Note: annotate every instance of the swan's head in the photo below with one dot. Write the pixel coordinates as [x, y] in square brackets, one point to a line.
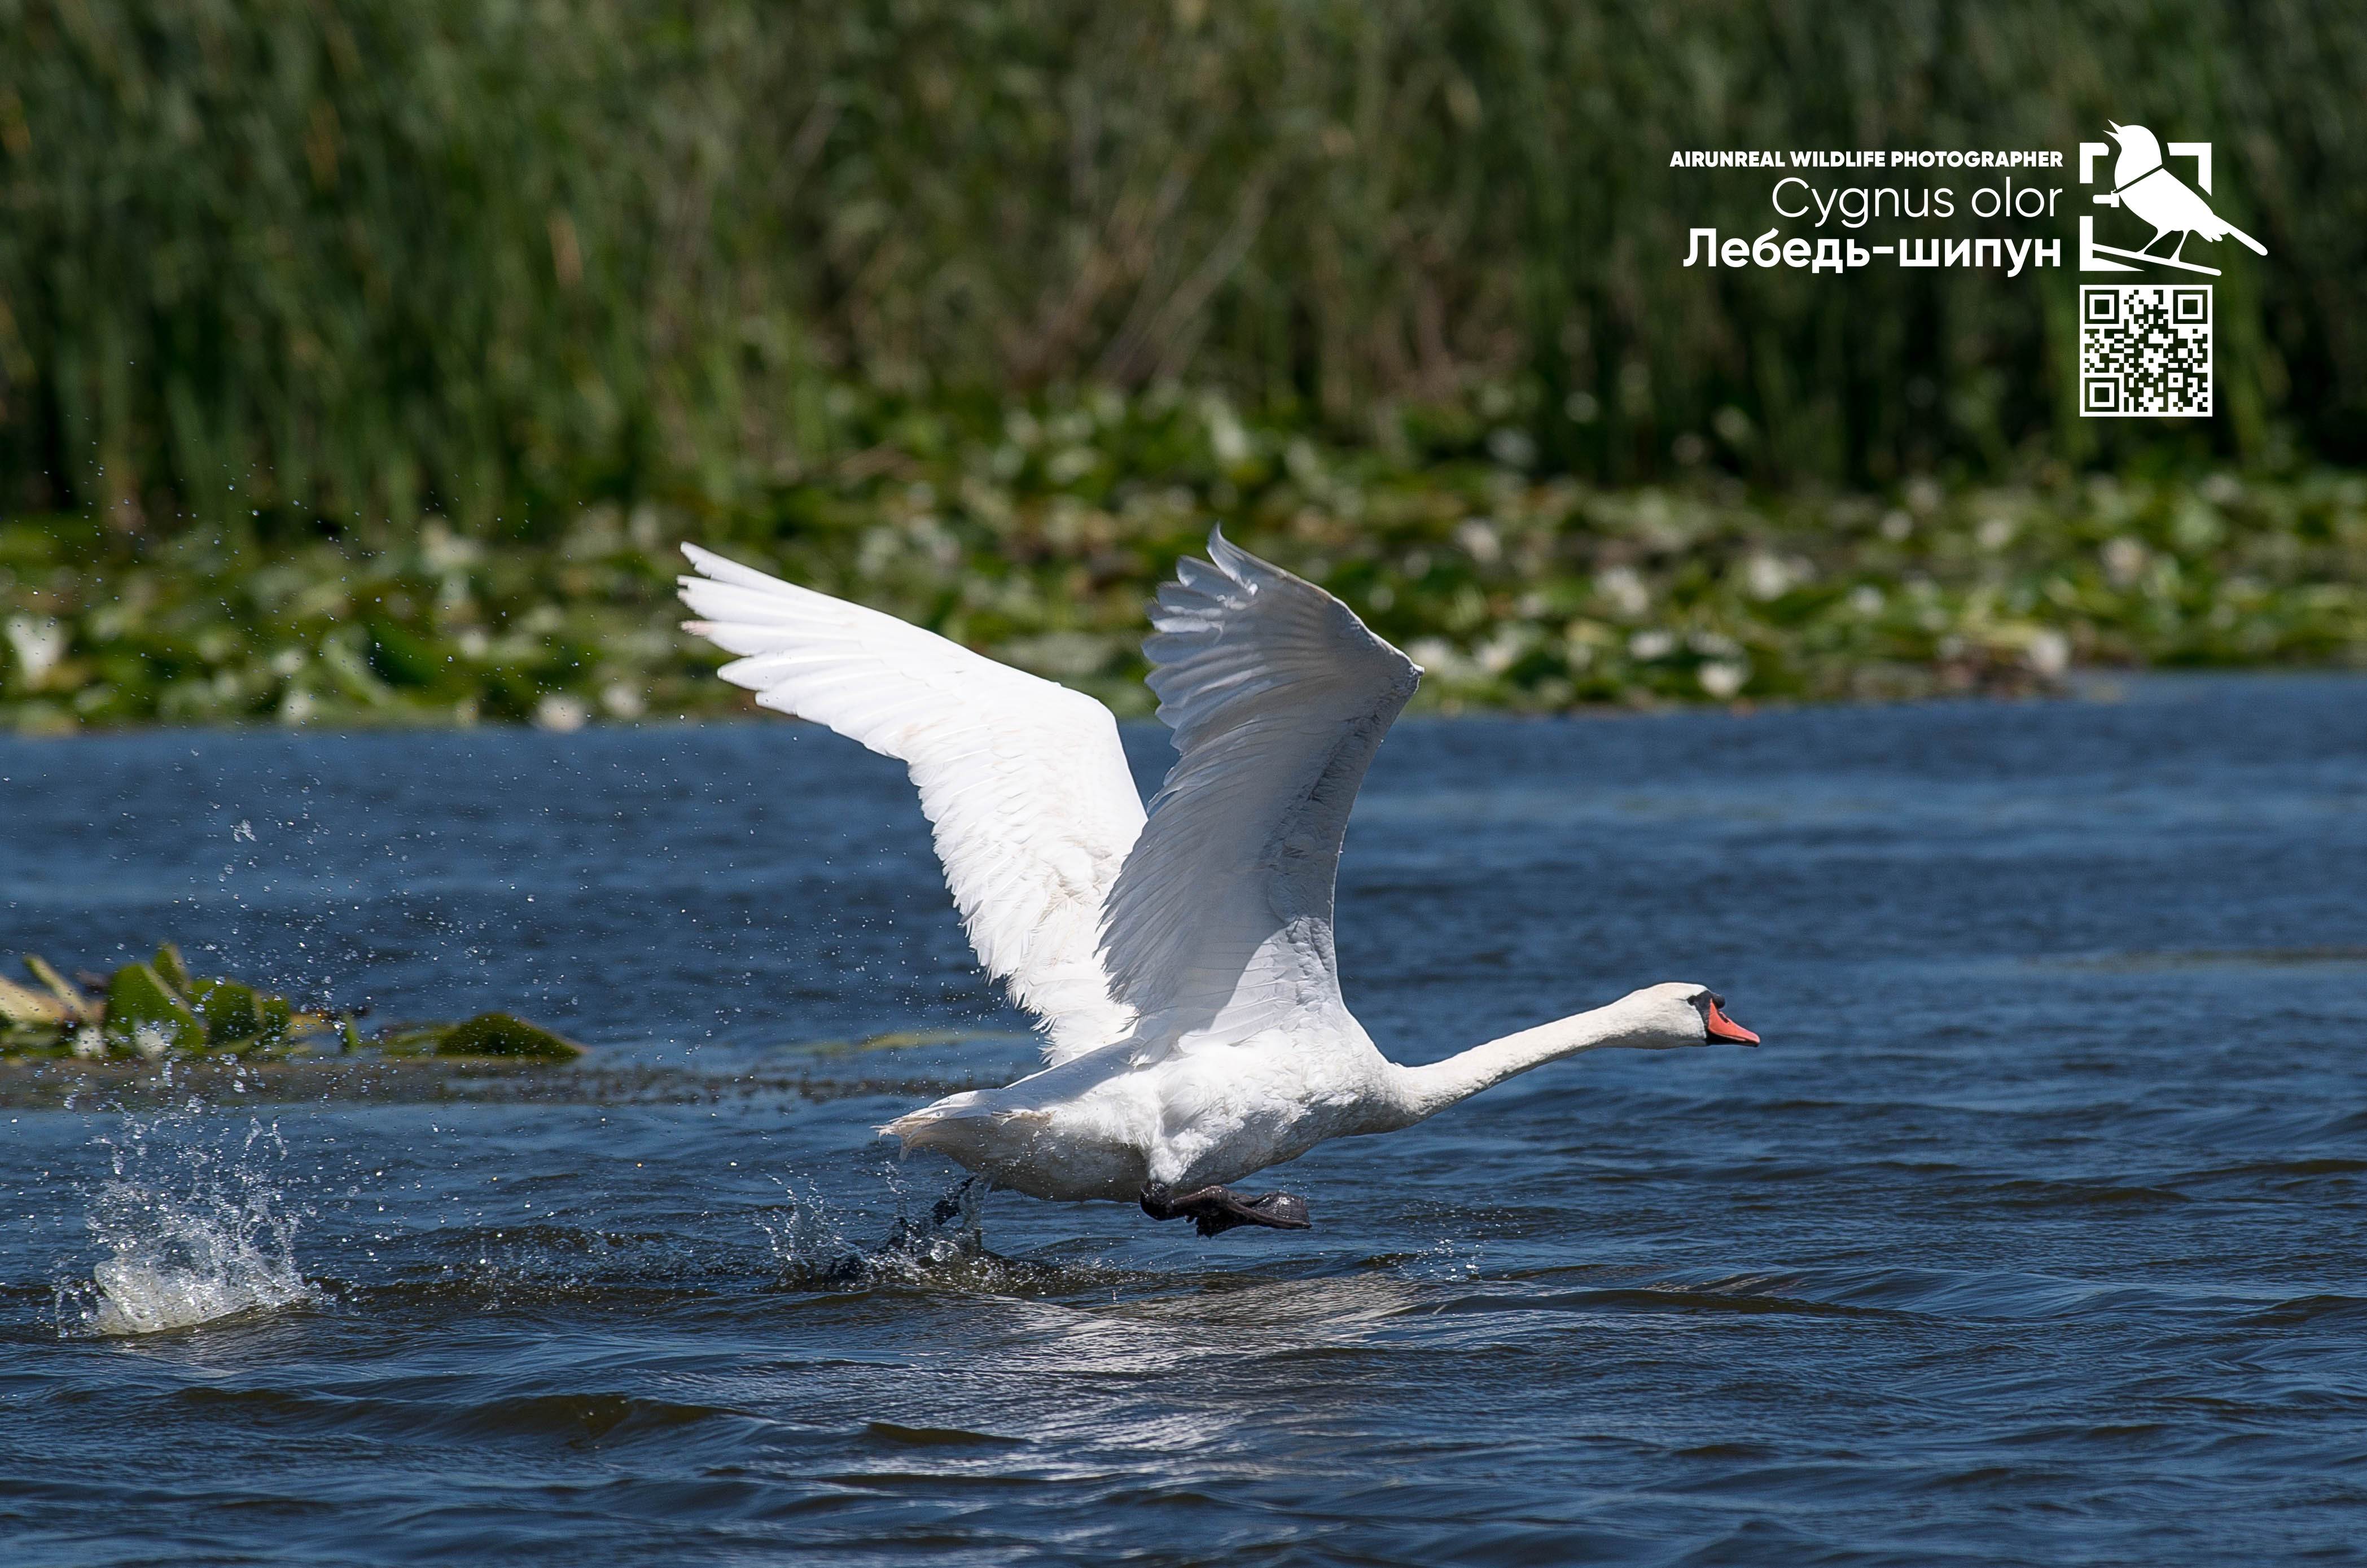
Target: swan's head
[1679, 1014]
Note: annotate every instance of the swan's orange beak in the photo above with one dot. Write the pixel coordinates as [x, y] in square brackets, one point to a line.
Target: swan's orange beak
[1723, 1027]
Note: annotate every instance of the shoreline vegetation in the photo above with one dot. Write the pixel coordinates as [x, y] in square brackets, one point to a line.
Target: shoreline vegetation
[1036, 533]
[361, 362]
[390, 257]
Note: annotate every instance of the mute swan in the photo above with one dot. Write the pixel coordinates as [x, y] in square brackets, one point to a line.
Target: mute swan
[1180, 959]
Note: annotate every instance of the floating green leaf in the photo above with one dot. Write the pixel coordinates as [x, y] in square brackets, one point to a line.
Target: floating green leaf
[501, 1034]
[144, 1015]
[234, 1013]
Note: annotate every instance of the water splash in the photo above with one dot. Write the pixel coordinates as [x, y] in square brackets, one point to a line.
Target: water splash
[814, 1250]
[951, 1234]
[194, 1229]
[804, 1231]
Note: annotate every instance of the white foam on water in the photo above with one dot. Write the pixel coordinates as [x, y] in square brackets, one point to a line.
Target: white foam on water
[195, 1230]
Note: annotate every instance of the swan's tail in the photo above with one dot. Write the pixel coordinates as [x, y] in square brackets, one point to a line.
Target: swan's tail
[968, 1133]
[915, 1130]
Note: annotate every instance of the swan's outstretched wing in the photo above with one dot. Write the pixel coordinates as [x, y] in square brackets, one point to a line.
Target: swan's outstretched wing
[1221, 924]
[1023, 780]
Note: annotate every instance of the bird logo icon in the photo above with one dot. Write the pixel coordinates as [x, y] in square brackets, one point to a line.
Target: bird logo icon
[2143, 187]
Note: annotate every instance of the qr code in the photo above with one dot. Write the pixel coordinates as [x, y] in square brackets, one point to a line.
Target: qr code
[2144, 348]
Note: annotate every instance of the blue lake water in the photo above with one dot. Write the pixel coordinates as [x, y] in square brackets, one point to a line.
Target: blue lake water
[2036, 1233]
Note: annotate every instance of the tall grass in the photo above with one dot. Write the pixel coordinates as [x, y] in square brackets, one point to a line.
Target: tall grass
[366, 258]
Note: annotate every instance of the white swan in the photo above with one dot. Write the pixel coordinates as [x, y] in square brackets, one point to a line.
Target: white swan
[1181, 960]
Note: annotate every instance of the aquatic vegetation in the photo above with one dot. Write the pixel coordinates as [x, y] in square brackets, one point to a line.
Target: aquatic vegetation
[486, 1034]
[155, 1010]
[148, 1009]
[356, 258]
[1037, 534]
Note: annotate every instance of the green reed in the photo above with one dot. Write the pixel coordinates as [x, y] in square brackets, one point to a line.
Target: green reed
[363, 258]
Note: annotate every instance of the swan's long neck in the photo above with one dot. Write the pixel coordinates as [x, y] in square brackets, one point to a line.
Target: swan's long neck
[1424, 1091]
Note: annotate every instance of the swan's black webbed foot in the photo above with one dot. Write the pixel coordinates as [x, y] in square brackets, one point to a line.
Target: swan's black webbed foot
[949, 1208]
[1212, 1209]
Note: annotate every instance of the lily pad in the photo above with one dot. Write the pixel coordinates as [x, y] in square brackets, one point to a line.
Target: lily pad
[228, 1009]
[501, 1034]
[236, 1014]
[144, 1015]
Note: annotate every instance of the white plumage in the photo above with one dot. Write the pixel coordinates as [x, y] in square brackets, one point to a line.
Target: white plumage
[1181, 964]
[1221, 924]
[1023, 780]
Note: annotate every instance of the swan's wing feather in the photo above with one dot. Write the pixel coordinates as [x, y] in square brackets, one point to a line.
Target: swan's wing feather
[1023, 780]
[1221, 924]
